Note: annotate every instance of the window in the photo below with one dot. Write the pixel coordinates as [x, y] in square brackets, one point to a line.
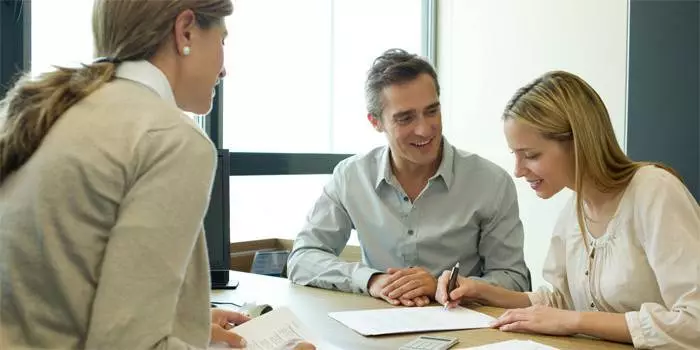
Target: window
[296, 73]
[57, 39]
[276, 212]
[295, 85]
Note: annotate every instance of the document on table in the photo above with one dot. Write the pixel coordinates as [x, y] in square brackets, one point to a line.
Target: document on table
[411, 319]
[274, 330]
[512, 345]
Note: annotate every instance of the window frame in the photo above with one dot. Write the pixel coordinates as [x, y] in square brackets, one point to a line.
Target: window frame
[15, 40]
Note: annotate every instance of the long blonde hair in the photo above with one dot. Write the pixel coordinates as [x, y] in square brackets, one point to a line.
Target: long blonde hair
[563, 107]
[123, 30]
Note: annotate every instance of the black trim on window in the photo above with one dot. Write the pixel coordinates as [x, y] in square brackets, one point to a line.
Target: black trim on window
[214, 123]
[258, 163]
[248, 164]
[15, 41]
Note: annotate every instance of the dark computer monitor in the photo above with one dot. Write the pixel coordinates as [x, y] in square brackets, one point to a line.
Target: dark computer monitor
[217, 224]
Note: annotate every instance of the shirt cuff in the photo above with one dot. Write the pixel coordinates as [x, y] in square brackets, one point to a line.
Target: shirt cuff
[634, 325]
[360, 279]
[535, 298]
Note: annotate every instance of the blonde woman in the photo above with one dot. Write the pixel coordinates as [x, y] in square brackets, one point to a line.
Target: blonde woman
[623, 260]
[104, 183]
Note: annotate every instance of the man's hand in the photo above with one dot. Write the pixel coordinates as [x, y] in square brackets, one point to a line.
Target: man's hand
[410, 283]
[222, 321]
[409, 286]
[376, 283]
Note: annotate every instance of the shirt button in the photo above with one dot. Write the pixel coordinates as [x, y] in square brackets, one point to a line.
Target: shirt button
[593, 305]
[410, 232]
[586, 273]
[405, 198]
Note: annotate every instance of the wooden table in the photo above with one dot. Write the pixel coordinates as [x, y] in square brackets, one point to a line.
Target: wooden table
[311, 306]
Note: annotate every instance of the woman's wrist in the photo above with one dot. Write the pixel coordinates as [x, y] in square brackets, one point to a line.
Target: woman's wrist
[491, 295]
[482, 292]
[579, 322]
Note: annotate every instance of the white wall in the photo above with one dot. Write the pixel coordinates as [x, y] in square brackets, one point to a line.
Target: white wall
[487, 49]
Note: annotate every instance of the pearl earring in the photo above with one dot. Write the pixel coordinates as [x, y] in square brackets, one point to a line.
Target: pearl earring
[186, 50]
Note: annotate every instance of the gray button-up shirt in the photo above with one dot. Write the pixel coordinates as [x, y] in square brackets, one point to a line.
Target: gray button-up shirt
[468, 212]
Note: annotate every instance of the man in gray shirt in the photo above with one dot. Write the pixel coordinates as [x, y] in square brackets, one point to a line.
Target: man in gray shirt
[419, 205]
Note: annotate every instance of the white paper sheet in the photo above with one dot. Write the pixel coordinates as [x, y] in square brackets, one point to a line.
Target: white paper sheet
[411, 319]
[273, 330]
[512, 345]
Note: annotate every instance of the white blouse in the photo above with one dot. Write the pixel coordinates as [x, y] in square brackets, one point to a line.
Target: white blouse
[646, 264]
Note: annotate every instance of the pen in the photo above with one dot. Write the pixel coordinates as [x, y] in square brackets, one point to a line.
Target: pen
[452, 283]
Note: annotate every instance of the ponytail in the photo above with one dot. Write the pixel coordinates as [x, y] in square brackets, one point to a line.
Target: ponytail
[32, 107]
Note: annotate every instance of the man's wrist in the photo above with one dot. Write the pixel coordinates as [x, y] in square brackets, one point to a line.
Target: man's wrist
[360, 279]
[375, 276]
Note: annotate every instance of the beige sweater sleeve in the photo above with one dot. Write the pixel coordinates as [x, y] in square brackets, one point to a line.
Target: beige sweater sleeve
[668, 224]
[158, 224]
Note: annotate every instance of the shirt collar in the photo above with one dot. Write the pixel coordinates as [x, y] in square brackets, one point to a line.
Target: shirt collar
[145, 73]
[445, 171]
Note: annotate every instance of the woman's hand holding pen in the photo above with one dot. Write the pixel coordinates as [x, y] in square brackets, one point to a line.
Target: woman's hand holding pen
[469, 289]
[465, 289]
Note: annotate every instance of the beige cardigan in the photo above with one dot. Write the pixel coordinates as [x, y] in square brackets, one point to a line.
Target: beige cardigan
[101, 244]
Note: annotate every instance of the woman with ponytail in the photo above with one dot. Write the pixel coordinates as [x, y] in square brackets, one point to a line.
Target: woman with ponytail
[104, 183]
[623, 260]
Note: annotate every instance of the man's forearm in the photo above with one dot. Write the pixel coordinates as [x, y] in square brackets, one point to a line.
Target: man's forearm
[321, 269]
[508, 279]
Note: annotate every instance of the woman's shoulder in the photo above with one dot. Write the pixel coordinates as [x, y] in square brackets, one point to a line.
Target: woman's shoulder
[653, 173]
[651, 181]
[134, 101]
[133, 109]
[657, 195]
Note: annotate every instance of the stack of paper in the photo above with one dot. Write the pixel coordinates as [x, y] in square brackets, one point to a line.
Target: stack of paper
[275, 329]
[512, 345]
[411, 319]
